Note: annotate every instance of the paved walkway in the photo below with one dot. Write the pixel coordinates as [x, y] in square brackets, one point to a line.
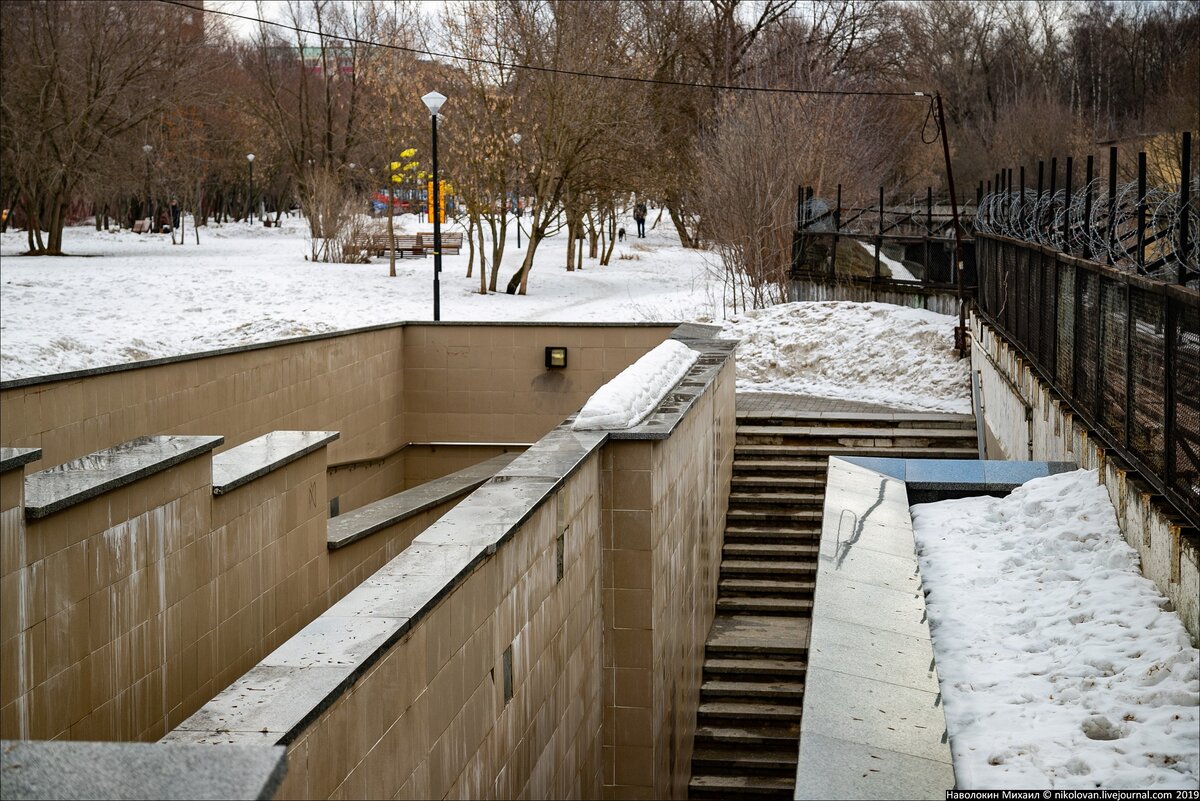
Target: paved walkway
[788, 402]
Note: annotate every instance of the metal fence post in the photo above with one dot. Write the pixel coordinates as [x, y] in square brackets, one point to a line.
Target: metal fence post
[1048, 224]
[1087, 210]
[928, 226]
[1112, 201]
[1021, 199]
[1066, 226]
[1185, 190]
[1141, 214]
[837, 225]
[1169, 391]
[879, 237]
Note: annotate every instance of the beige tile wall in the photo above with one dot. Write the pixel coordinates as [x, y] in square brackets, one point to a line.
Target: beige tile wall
[104, 586]
[351, 384]
[429, 719]
[271, 570]
[359, 483]
[14, 576]
[379, 389]
[426, 462]
[129, 611]
[490, 383]
[665, 518]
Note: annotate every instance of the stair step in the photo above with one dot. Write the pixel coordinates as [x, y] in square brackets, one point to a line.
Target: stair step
[892, 419]
[765, 586]
[758, 451]
[711, 711]
[770, 550]
[772, 736]
[854, 432]
[766, 605]
[759, 650]
[764, 533]
[789, 668]
[747, 760]
[774, 497]
[816, 467]
[746, 482]
[766, 567]
[763, 690]
[785, 514]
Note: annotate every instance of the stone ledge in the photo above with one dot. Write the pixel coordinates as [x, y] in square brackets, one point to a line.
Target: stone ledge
[67, 484]
[365, 521]
[52, 770]
[250, 460]
[12, 458]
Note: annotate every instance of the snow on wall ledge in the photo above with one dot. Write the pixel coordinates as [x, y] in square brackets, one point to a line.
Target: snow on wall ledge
[630, 397]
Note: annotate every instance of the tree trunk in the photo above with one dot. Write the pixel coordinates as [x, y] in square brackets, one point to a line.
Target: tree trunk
[391, 230]
[685, 238]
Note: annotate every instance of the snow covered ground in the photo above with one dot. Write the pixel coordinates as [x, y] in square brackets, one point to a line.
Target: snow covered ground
[1059, 667]
[127, 297]
[856, 351]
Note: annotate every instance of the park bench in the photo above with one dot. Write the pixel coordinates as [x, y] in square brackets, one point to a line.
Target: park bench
[451, 241]
[141, 226]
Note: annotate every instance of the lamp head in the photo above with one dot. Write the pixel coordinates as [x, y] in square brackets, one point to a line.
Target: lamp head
[249, 157]
[433, 101]
[147, 148]
[515, 139]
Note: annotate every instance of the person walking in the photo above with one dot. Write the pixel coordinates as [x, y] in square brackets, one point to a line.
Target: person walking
[639, 217]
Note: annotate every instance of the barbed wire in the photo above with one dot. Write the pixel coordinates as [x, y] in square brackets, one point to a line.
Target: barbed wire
[1101, 227]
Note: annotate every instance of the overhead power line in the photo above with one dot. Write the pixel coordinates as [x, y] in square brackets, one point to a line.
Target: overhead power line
[555, 70]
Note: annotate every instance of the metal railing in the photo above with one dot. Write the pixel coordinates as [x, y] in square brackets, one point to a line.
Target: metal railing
[1122, 349]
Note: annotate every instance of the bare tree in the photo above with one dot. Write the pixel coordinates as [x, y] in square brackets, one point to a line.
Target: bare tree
[78, 78]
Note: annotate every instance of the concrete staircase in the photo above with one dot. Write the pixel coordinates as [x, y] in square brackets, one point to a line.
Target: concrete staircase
[748, 723]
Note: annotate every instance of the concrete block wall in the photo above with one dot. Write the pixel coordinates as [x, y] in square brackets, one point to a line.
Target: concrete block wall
[349, 383]
[271, 571]
[664, 518]
[489, 383]
[429, 719]
[96, 598]
[1026, 420]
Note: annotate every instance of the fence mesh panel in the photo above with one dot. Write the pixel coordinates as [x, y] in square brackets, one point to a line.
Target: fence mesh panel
[1064, 368]
[1088, 340]
[1113, 331]
[1047, 302]
[1186, 431]
[1147, 376]
[1118, 349]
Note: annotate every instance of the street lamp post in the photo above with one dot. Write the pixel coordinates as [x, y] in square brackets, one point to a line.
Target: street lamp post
[433, 101]
[250, 164]
[516, 140]
[148, 149]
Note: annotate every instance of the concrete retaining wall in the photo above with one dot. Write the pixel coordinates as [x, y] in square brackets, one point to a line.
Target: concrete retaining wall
[1026, 420]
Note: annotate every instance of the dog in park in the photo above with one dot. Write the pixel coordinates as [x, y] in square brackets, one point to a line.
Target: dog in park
[620, 234]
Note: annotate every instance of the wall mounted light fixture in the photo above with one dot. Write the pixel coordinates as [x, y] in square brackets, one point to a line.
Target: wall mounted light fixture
[556, 358]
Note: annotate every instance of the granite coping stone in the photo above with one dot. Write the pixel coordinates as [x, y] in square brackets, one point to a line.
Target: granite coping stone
[675, 405]
[242, 464]
[12, 458]
[852, 770]
[373, 517]
[57, 488]
[54, 770]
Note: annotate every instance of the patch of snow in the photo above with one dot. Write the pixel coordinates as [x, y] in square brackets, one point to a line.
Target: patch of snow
[874, 352]
[626, 400]
[899, 271]
[1059, 668]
